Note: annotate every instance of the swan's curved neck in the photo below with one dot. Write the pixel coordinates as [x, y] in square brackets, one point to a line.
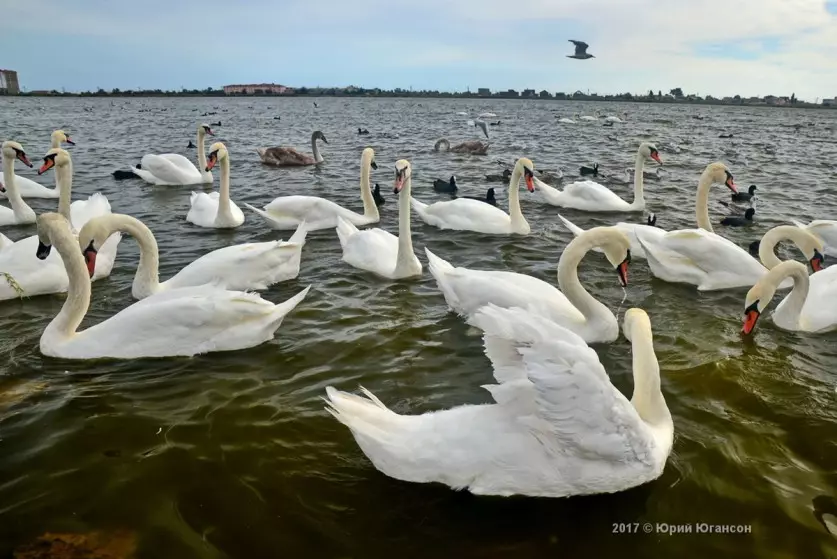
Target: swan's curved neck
[315, 149]
[639, 167]
[647, 398]
[370, 209]
[405, 236]
[767, 247]
[702, 203]
[64, 183]
[202, 152]
[224, 207]
[147, 278]
[67, 321]
[518, 222]
[594, 311]
[56, 143]
[791, 311]
[21, 209]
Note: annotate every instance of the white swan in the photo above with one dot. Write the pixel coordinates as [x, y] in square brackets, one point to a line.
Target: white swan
[237, 267]
[465, 214]
[712, 262]
[20, 213]
[805, 309]
[593, 197]
[712, 174]
[566, 120]
[825, 230]
[81, 211]
[173, 169]
[558, 426]
[616, 118]
[216, 210]
[570, 305]
[31, 189]
[379, 251]
[180, 322]
[287, 212]
[595, 116]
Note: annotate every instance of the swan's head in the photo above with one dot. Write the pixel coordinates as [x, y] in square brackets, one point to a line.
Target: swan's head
[204, 130]
[403, 172]
[61, 137]
[617, 249]
[47, 223]
[719, 173]
[635, 318]
[217, 152]
[13, 150]
[650, 151]
[368, 156]
[317, 135]
[757, 300]
[526, 168]
[92, 236]
[56, 157]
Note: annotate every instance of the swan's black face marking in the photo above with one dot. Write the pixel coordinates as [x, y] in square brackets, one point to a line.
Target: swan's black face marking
[751, 316]
[730, 183]
[622, 270]
[655, 155]
[90, 254]
[208, 130]
[374, 165]
[21, 155]
[67, 140]
[211, 160]
[43, 250]
[817, 261]
[49, 163]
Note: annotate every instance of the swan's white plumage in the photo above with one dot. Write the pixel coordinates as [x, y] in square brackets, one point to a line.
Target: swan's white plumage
[203, 210]
[629, 229]
[173, 169]
[558, 426]
[825, 230]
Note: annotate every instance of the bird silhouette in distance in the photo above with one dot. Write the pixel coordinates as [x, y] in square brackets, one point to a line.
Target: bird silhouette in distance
[580, 50]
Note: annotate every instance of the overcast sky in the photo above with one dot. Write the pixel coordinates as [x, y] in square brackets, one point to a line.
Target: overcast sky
[719, 47]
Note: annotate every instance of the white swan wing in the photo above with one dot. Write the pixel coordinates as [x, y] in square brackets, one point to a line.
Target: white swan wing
[374, 250]
[819, 312]
[184, 322]
[33, 275]
[584, 195]
[82, 211]
[699, 257]
[826, 230]
[317, 212]
[554, 385]
[243, 266]
[27, 188]
[180, 161]
[168, 172]
[203, 208]
[467, 214]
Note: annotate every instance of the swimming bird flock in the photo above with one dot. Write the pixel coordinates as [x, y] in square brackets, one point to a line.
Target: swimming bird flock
[556, 427]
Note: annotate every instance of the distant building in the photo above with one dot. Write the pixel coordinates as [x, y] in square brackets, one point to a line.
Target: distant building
[510, 93]
[484, 92]
[830, 102]
[545, 94]
[528, 93]
[8, 82]
[257, 89]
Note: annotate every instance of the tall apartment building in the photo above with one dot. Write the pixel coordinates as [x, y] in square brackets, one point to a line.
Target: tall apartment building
[8, 82]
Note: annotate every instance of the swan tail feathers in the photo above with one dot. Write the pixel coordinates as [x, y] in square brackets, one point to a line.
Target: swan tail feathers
[299, 235]
[263, 214]
[284, 308]
[365, 416]
[574, 229]
[438, 266]
[799, 224]
[418, 207]
[345, 230]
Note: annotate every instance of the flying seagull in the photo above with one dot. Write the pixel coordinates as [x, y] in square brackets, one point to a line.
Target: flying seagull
[580, 50]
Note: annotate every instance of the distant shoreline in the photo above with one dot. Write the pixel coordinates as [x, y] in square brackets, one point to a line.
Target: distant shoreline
[624, 98]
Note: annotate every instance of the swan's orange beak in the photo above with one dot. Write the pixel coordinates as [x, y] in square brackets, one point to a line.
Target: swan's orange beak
[213, 159]
[816, 261]
[530, 180]
[90, 259]
[622, 270]
[49, 163]
[655, 155]
[750, 318]
[24, 159]
[731, 184]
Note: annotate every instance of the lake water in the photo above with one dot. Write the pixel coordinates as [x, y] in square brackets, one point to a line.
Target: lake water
[232, 454]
